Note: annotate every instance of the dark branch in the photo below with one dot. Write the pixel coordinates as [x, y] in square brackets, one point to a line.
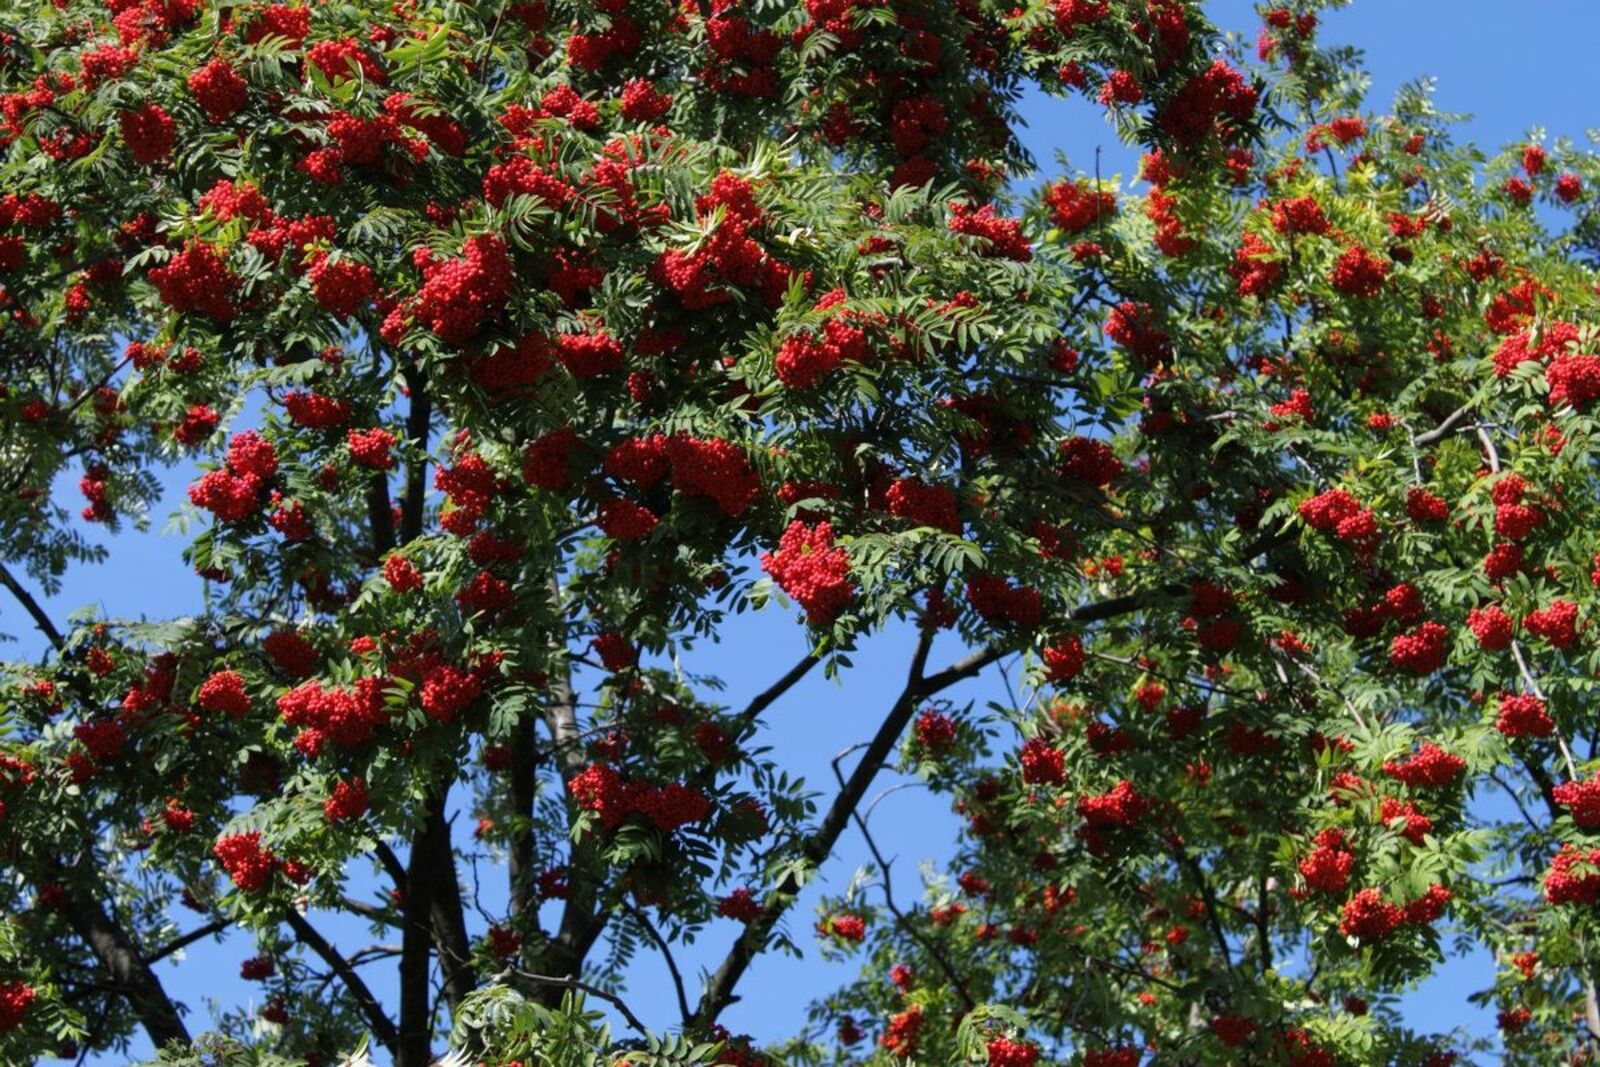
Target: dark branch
[1443, 430]
[929, 946]
[666, 953]
[215, 926]
[819, 845]
[449, 920]
[417, 422]
[380, 513]
[415, 1047]
[382, 1028]
[130, 973]
[391, 864]
[767, 697]
[594, 991]
[381, 916]
[32, 607]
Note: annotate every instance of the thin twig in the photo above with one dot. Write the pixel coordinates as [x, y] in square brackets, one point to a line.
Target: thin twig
[928, 945]
[215, 926]
[666, 953]
[593, 991]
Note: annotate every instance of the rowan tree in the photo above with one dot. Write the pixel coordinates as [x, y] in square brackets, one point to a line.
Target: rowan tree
[520, 348]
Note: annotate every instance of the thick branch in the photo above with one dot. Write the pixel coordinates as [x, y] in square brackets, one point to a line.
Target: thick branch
[1444, 429]
[449, 921]
[414, 1045]
[381, 514]
[929, 946]
[524, 770]
[579, 925]
[417, 422]
[382, 1028]
[391, 864]
[130, 973]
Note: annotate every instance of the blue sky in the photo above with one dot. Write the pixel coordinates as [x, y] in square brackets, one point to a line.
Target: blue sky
[1509, 65]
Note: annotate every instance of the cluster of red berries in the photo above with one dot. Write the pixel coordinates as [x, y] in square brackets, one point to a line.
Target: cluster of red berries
[1063, 659]
[923, 504]
[1557, 623]
[1076, 206]
[233, 492]
[1119, 809]
[1523, 715]
[812, 570]
[1192, 113]
[1000, 603]
[1573, 877]
[1132, 325]
[1004, 1052]
[1327, 867]
[347, 802]
[219, 89]
[1255, 266]
[1582, 799]
[1420, 650]
[346, 718]
[224, 691]
[1369, 917]
[804, 359]
[1001, 238]
[1042, 763]
[1359, 273]
[1335, 511]
[460, 296]
[726, 259]
[246, 861]
[599, 788]
[149, 133]
[197, 280]
[1089, 461]
[1430, 767]
[741, 904]
[844, 927]
[16, 1000]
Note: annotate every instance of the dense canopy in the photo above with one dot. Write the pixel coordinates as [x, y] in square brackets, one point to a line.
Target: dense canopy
[520, 348]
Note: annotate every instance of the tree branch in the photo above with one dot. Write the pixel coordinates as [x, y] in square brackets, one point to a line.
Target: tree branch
[523, 790]
[1443, 430]
[215, 926]
[929, 946]
[819, 845]
[381, 514]
[130, 972]
[32, 607]
[391, 864]
[666, 953]
[579, 923]
[414, 1046]
[382, 1028]
[767, 697]
[417, 422]
[449, 921]
[593, 991]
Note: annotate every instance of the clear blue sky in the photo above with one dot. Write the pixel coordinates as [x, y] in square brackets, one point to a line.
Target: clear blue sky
[1512, 66]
